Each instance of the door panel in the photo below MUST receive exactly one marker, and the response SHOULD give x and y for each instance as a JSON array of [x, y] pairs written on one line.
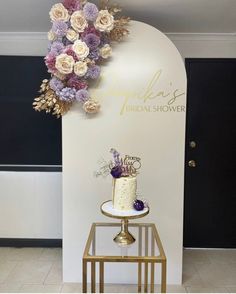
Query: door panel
[[210, 186]]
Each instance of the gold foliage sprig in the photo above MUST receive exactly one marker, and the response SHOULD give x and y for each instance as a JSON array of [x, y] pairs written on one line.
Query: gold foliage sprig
[[104, 4], [49, 102], [120, 31]]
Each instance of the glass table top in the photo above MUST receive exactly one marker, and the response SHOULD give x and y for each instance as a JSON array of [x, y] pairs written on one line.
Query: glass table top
[[147, 243]]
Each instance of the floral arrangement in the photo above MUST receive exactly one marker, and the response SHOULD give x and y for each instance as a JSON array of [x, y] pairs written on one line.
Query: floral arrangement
[[80, 40]]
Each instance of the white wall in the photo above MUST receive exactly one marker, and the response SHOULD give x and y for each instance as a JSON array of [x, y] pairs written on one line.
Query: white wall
[[189, 45], [30, 205], [205, 45]]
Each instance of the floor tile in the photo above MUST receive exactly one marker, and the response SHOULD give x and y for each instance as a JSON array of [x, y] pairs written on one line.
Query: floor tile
[[4, 252], [40, 289], [195, 256], [206, 290], [55, 274], [191, 276], [10, 288], [51, 254], [71, 288], [129, 288], [6, 267], [24, 254], [171, 289], [222, 256], [31, 272], [217, 275], [114, 288]]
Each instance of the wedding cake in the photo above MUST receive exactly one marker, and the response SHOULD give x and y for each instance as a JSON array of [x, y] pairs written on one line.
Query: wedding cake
[[124, 192], [124, 171]]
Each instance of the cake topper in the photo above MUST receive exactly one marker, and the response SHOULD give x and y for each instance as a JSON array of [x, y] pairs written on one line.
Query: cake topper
[[124, 167], [127, 166]]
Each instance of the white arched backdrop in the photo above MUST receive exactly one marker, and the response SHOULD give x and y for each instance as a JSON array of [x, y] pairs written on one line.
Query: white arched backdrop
[[142, 91]]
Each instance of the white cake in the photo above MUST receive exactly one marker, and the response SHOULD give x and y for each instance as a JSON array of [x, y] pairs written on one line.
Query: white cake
[[124, 193]]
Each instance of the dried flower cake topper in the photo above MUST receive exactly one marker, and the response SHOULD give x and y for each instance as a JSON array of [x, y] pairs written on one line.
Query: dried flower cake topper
[[127, 166], [80, 40]]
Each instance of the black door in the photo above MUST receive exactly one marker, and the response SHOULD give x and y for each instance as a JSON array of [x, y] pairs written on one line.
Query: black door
[[210, 172]]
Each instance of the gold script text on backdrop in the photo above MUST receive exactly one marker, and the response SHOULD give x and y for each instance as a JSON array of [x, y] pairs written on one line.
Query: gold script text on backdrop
[[152, 92]]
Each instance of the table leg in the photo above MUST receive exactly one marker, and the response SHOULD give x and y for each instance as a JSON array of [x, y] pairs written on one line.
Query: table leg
[[152, 276], [146, 278], [146, 263], [139, 277], [94, 244], [93, 277], [140, 264], [152, 265], [84, 276], [163, 277], [101, 276]]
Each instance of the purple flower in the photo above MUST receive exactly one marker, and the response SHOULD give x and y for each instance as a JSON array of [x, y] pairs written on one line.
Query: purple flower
[[50, 61], [94, 54], [57, 47], [56, 85], [75, 82], [66, 42], [138, 205], [67, 94], [94, 72], [92, 41], [90, 11], [116, 156], [91, 30], [104, 40], [60, 28], [82, 95], [71, 5], [116, 172]]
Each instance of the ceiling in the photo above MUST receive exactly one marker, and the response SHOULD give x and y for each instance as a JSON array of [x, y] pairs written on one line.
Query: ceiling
[[169, 16]]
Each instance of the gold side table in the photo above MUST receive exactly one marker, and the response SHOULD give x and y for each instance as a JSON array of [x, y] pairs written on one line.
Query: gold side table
[[147, 250]]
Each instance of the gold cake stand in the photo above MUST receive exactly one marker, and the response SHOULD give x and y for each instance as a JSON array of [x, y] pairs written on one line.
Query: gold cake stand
[[124, 237]]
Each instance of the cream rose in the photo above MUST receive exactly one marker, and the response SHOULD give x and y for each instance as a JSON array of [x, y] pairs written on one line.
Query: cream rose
[[91, 106], [51, 36], [78, 21], [60, 76], [104, 21], [81, 49], [59, 12], [72, 35], [65, 63], [106, 51], [80, 68]]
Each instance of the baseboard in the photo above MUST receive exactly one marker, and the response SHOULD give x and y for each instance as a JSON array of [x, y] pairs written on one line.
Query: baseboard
[[16, 242]]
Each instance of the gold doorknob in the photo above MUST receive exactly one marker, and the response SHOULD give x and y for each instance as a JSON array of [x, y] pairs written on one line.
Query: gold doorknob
[[192, 163], [193, 144]]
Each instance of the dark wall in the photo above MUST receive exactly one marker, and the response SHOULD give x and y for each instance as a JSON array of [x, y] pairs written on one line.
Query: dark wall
[[26, 137]]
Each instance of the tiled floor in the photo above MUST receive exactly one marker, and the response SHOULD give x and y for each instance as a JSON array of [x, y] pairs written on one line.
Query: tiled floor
[[39, 270]]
